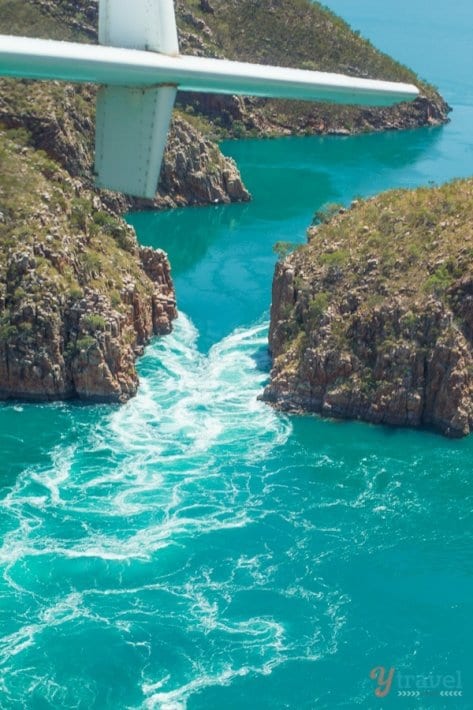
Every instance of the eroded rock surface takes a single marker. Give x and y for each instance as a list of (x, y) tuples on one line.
[(373, 319), (78, 297)]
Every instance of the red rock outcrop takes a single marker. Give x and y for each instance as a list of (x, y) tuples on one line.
[(78, 297), (373, 320)]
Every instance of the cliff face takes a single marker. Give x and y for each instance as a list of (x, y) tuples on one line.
[(373, 319), (78, 297), (195, 172)]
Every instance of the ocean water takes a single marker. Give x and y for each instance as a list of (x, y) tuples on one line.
[(193, 548)]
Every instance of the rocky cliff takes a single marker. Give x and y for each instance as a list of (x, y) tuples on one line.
[(78, 298), (373, 318)]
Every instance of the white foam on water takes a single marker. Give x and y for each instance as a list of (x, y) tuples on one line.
[(62, 611), (192, 402), (189, 407), (177, 699), (184, 460)]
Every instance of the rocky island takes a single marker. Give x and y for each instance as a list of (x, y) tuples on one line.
[(78, 297), (373, 318)]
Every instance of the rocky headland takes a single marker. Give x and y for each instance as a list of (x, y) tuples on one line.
[(373, 318), (302, 34), (78, 297)]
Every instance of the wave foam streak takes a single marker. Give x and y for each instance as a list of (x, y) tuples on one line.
[(153, 535)]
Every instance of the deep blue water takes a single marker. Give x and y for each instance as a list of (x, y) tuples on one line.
[(196, 549)]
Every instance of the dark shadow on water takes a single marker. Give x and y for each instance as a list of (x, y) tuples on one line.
[(187, 233), (312, 431), (262, 359)]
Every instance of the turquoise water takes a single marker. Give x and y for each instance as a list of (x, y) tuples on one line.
[(196, 549)]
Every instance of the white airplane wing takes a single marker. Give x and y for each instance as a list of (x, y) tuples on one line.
[(68, 61), (140, 69)]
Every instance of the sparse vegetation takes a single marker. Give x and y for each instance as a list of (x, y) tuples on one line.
[(439, 281), (325, 213), (94, 322), (84, 343), (335, 258), (420, 240), (317, 307)]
